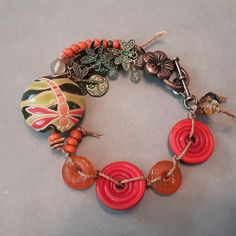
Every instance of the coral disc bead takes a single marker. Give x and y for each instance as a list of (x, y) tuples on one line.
[(71, 176), (166, 185), (203, 141), (125, 197)]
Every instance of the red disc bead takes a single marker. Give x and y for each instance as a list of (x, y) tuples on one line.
[(203, 141), (76, 134), (116, 197), (116, 43), (68, 52), (69, 148)]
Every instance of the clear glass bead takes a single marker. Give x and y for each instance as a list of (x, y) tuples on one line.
[(58, 66), (113, 73), (135, 76)]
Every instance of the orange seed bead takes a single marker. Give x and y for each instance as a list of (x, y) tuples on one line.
[(116, 43), (76, 134), (82, 45), (68, 52), (75, 48), (104, 43), (69, 148), (96, 43), (72, 141), (54, 136), (88, 43)]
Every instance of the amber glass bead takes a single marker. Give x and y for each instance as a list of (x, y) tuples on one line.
[(71, 175), (166, 185)]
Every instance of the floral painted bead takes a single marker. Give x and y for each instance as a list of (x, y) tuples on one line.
[(52, 103)]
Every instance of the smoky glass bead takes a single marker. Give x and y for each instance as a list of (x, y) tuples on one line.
[(58, 66)]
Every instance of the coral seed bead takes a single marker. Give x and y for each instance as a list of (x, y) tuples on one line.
[(82, 45), (75, 48), (96, 43), (72, 141), (88, 43), (68, 52), (104, 43), (54, 136), (76, 134), (116, 43), (69, 148)]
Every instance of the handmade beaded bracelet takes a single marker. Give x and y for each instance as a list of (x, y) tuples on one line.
[(56, 103)]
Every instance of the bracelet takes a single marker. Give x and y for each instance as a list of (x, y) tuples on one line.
[(56, 103)]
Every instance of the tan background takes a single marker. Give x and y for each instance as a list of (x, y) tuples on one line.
[(134, 118)]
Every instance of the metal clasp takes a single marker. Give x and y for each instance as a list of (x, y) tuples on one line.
[(190, 100)]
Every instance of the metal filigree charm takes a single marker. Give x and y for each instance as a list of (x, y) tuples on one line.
[(125, 55), (97, 86)]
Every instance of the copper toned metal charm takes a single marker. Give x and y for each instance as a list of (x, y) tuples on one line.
[(158, 64)]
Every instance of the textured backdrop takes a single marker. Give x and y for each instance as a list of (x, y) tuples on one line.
[(134, 118)]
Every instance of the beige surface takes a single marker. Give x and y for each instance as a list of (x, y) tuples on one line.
[(134, 118)]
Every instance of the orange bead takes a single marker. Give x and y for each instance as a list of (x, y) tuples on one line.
[(75, 48), (73, 178), (68, 52), (76, 134), (54, 136), (69, 148), (82, 45), (104, 43), (166, 185), (88, 43), (116, 43), (96, 43), (72, 141)]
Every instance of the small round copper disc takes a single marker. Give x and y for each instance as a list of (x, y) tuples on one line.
[(167, 185)]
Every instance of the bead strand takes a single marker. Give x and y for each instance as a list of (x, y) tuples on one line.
[(75, 48), (72, 141)]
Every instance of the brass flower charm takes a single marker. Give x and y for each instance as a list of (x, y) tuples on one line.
[(158, 64)]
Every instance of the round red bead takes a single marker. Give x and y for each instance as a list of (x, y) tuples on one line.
[(203, 141), (116, 197)]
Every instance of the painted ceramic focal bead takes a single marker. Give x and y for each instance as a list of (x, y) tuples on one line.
[(52, 103)]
